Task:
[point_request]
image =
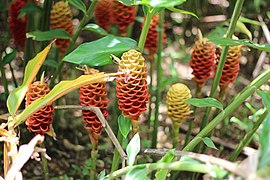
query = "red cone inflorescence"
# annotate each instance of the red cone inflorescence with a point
(17, 25)
(151, 42)
(123, 16)
(103, 13)
(231, 66)
(131, 87)
(61, 18)
(40, 121)
(94, 95)
(202, 60)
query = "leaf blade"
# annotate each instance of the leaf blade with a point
(95, 28)
(205, 102)
(78, 4)
(124, 125)
(182, 11)
(136, 173)
(168, 157)
(133, 148)
(48, 35)
(209, 143)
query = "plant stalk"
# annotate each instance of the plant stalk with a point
(116, 155)
(13, 75)
(175, 135)
(248, 137)
(145, 29)
(236, 102)
(94, 154)
(44, 163)
(83, 22)
(159, 76)
(151, 93)
(4, 78)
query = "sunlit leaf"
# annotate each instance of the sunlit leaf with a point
(58, 91)
(168, 157)
(124, 125)
(133, 149)
(182, 11)
(205, 102)
(95, 28)
(101, 175)
(98, 53)
(16, 96)
(48, 35)
(137, 173)
(159, 3)
(127, 2)
(209, 143)
(78, 4)
(246, 42)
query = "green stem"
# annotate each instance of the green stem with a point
(83, 22)
(44, 163)
(29, 42)
(178, 166)
(94, 154)
(248, 137)
(159, 76)
(151, 93)
(238, 100)
(116, 155)
(13, 75)
(234, 19)
(175, 135)
(45, 20)
(3, 76)
(188, 134)
(145, 29)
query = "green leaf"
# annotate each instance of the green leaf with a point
(137, 173)
(58, 91)
(124, 125)
(168, 157)
(101, 175)
(209, 143)
(95, 28)
(268, 14)
(246, 42)
(78, 4)
(51, 63)
(159, 3)
(133, 148)
(242, 28)
(97, 53)
(265, 95)
(217, 32)
(205, 102)
(48, 35)
(182, 11)
(17, 95)
(29, 8)
(9, 57)
(127, 2)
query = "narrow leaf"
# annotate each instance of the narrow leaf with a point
(16, 97)
(95, 28)
(165, 3)
(78, 4)
(137, 173)
(246, 42)
(265, 95)
(182, 11)
(97, 53)
(124, 125)
(242, 28)
(101, 175)
(58, 91)
(9, 57)
(205, 102)
(250, 21)
(133, 149)
(168, 157)
(48, 35)
(209, 143)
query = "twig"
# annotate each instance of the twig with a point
(232, 167)
(103, 121)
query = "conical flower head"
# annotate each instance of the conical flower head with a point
(61, 18)
(40, 121)
(231, 66)
(131, 87)
(94, 95)
(151, 42)
(17, 25)
(123, 16)
(177, 109)
(202, 60)
(103, 12)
